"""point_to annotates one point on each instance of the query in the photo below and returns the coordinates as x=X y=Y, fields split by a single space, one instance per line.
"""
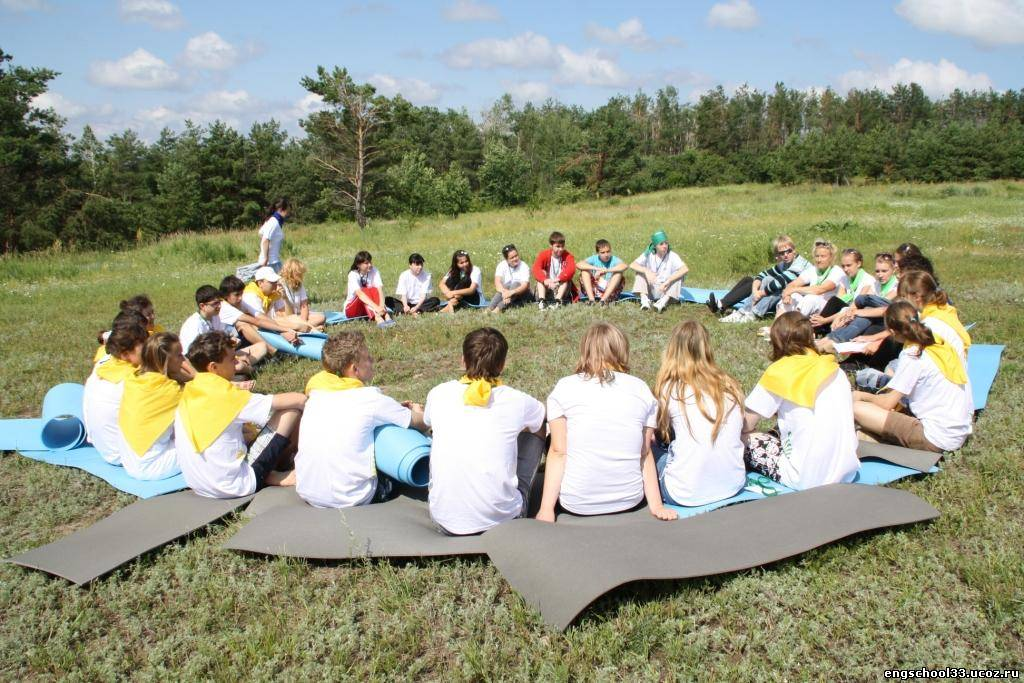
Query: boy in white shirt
x=247 y=326
x=212 y=451
x=412 y=295
x=478 y=477
x=335 y=466
x=207 y=319
x=659 y=274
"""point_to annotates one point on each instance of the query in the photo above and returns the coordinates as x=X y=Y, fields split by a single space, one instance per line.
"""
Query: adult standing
x=272 y=234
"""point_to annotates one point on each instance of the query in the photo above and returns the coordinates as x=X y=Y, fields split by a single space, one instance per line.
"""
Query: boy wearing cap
x=249 y=321
x=554 y=270
x=659 y=274
x=602 y=274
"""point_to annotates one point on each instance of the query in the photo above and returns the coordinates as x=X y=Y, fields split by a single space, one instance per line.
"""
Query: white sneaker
x=645 y=303
x=734 y=317
x=540 y=305
x=661 y=304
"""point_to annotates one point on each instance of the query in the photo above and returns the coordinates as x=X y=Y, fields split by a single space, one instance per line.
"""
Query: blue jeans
x=765 y=306
x=661 y=460
x=859 y=324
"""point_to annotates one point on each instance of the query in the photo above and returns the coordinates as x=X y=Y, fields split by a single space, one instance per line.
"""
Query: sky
x=147 y=64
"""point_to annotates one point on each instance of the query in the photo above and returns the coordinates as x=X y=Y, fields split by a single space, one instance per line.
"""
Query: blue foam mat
x=88 y=459
x=338 y=317
x=982 y=366
x=696 y=295
x=312 y=345
x=872 y=473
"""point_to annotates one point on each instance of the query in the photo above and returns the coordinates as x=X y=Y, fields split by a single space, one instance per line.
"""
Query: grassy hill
x=944 y=594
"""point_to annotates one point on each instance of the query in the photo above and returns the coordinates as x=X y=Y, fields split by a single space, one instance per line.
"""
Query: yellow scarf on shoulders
x=948 y=361
x=208 y=405
x=948 y=315
x=147 y=409
x=267 y=301
x=100 y=353
x=798 y=378
x=478 y=393
x=328 y=381
x=115 y=370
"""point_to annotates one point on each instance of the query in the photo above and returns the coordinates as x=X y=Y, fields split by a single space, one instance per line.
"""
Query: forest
x=365 y=156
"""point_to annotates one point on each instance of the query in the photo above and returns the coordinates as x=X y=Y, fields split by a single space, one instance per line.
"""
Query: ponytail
x=903 y=320
x=157 y=351
x=279 y=204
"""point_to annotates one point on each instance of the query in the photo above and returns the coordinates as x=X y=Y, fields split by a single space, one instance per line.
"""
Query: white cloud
x=471 y=10
x=529 y=91
x=937 y=80
x=139 y=70
x=588 y=68
x=225 y=102
x=60 y=104
x=523 y=51
x=989 y=22
x=308 y=104
x=412 y=89
x=738 y=15
x=211 y=52
x=629 y=33
x=533 y=51
x=160 y=14
x=24 y=5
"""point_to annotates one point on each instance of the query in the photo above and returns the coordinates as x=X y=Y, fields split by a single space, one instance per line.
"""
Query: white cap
x=266 y=273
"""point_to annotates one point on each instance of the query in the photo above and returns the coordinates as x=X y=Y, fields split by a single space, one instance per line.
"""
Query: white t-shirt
x=819 y=445
x=101 y=406
x=415 y=288
x=473 y=457
x=949 y=335
x=867 y=281
x=335 y=465
x=372 y=280
x=196 y=325
x=228 y=314
x=222 y=470
x=661 y=267
x=274 y=233
x=253 y=305
x=605 y=424
x=293 y=298
x=700 y=469
x=159 y=462
x=512 y=278
x=810 y=277
x=943 y=408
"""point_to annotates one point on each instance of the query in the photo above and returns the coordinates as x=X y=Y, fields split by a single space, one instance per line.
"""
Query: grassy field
x=946 y=594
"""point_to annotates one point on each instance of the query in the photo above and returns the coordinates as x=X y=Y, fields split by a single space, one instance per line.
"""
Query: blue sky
x=146 y=64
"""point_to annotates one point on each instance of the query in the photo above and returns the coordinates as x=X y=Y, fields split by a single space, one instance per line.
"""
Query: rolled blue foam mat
x=60 y=428
x=982 y=366
x=403 y=454
x=312 y=345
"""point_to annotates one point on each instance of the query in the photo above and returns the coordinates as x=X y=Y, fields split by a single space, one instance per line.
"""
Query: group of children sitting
x=159 y=403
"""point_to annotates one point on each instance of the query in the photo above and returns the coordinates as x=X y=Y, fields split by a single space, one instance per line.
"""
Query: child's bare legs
x=560 y=292
x=317 y=319
x=612 y=287
x=587 y=280
x=870 y=417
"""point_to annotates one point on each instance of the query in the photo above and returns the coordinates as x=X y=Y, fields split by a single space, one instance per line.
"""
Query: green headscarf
x=656 y=239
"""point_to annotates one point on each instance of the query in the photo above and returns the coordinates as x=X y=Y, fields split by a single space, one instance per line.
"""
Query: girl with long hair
x=365 y=295
x=462 y=284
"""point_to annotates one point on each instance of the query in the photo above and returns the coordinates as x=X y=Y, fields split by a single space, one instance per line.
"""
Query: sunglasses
x=784 y=252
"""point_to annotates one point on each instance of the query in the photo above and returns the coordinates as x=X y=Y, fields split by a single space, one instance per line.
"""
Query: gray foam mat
x=922 y=461
x=561 y=568
x=128 y=533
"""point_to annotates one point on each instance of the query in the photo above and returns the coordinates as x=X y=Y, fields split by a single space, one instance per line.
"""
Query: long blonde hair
x=604 y=350
x=687 y=363
x=292 y=273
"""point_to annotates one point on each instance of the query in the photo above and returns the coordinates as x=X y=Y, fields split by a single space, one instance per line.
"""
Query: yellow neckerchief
x=100 y=353
x=267 y=301
x=208 y=405
x=157 y=327
x=948 y=361
x=478 y=393
x=798 y=378
x=147 y=409
x=328 y=381
x=114 y=370
x=948 y=315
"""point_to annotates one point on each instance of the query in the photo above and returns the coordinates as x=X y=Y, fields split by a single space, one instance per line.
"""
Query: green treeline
x=366 y=156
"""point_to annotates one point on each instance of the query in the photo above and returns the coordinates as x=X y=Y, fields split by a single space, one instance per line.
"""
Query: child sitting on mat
x=207 y=319
x=141 y=304
x=463 y=283
x=478 y=478
x=602 y=422
x=511 y=281
x=335 y=466
x=855 y=282
x=932 y=377
x=601 y=275
x=214 y=456
x=659 y=274
x=146 y=415
x=700 y=415
x=101 y=401
x=809 y=293
x=817 y=443
x=248 y=325
x=412 y=295
x=365 y=296
x=554 y=269
x=867 y=310
x=765 y=288
x=295 y=312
